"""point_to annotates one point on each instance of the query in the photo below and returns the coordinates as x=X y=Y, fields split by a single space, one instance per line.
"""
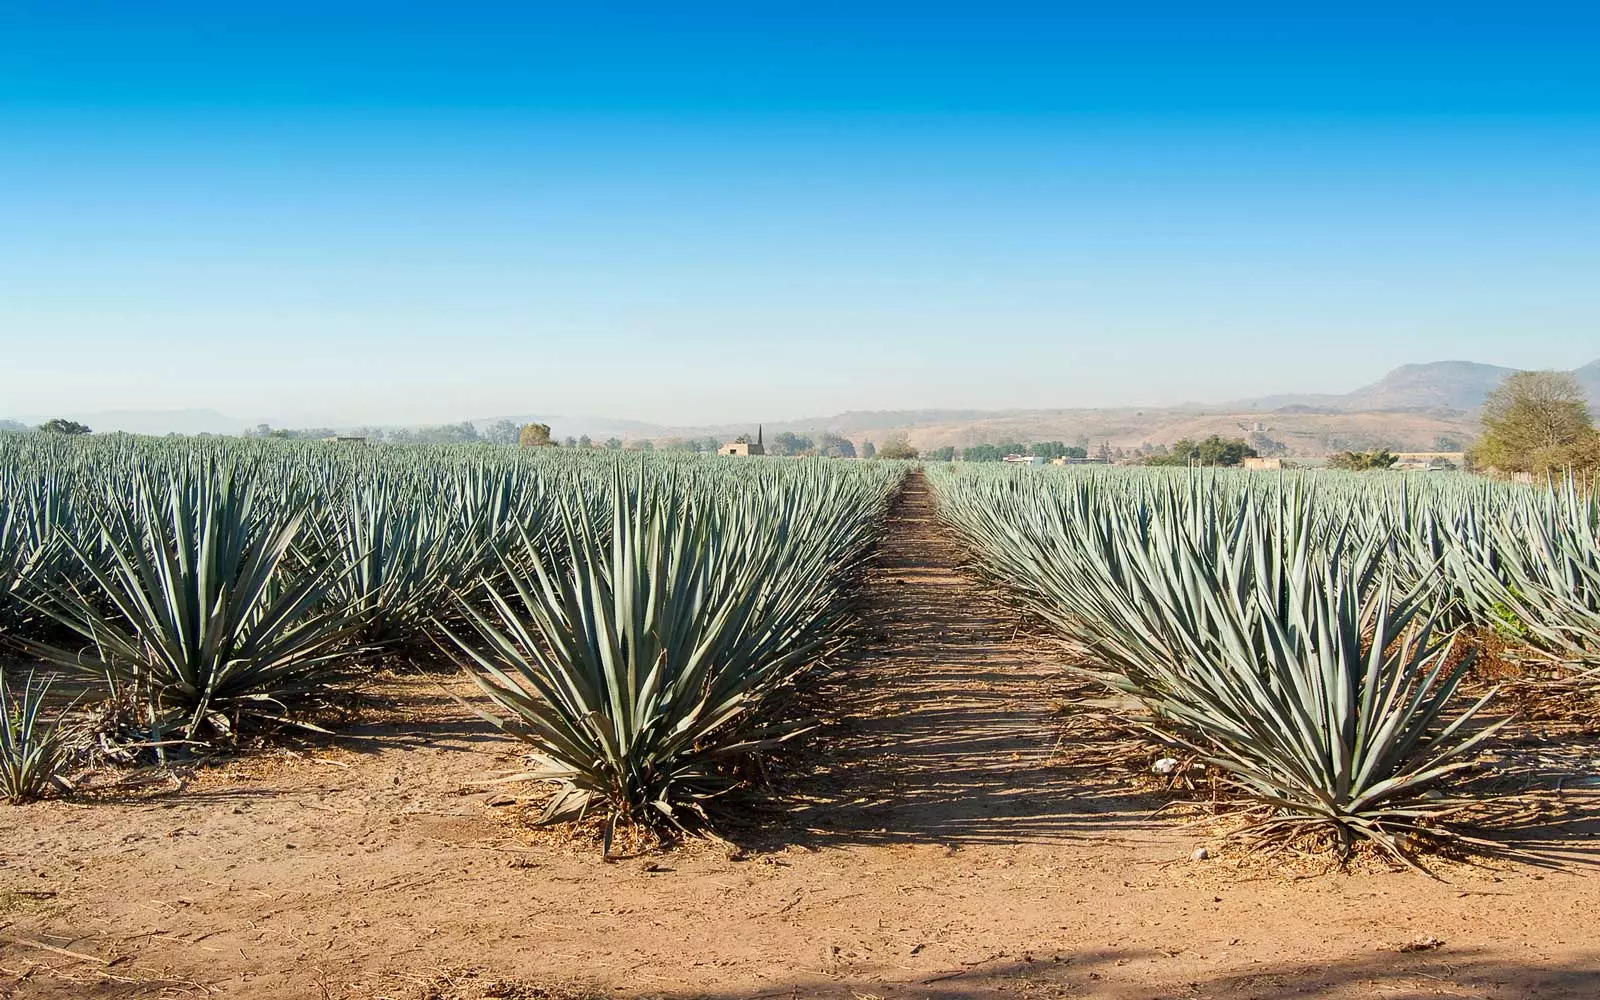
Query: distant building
x=742 y=446
x=1023 y=460
x=1263 y=464
x=344 y=437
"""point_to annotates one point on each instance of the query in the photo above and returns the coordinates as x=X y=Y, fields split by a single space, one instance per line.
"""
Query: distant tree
x=868 y=449
x=62 y=426
x=585 y=442
x=896 y=446
x=1184 y=452
x=613 y=444
x=569 y=442
x=1216 y=450
x=503 y=432
x=1536 y=422
x=997 y=452
x=13 y=426
x=945 y=454
x=462 y=433
x=1363 y=461
x=1213 y=451
x=535 y=436
x=789 y=443
x=1057 y=449
x=835 y=446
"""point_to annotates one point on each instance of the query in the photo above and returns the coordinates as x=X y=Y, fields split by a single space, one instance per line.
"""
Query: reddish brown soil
x=932 y=843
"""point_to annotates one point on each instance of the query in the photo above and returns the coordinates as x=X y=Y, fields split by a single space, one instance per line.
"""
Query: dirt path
x=932 y=844
x=949 y=733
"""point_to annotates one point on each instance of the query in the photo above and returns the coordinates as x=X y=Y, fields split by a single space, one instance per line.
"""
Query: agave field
x=636 y=620
x=294 y=707
x=1304 y=634
x=640 y=622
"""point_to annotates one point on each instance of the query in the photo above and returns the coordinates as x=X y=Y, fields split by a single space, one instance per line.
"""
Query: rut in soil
x=946 y=722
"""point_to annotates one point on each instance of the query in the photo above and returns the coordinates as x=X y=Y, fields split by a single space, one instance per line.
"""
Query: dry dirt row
x=934 y=843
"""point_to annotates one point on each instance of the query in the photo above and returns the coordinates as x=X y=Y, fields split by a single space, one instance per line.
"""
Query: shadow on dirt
x=939 y=729
x=1108 y=974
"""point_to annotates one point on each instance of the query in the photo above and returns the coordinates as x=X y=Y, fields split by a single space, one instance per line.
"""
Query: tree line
x=1535 y=422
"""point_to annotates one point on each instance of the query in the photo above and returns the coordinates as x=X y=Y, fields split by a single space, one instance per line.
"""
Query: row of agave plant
x=633 y=619
x=1302 y=634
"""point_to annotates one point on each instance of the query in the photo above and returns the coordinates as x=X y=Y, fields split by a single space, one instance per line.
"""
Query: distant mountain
x=1442 y=385
x=1416 y=407
x=1589 y=378
x=1437 y=387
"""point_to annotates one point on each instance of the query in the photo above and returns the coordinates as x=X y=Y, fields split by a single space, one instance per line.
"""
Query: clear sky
x=392 y=212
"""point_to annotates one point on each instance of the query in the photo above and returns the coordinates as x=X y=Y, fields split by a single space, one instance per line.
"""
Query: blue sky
x=362 y=212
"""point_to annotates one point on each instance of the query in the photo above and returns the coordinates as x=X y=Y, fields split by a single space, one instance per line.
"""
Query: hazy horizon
x=579 y=422
x=348 y=214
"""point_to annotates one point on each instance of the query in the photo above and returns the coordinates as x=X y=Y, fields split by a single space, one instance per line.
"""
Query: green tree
x=502 y=432
x=1213 y=451
x=62 y=426
x=1363 y=461
x=997 y=452
x=535 y=436
x=896 y=446
x=789 y=443
x=835 y=446
x=869 y=450
x=1057 y=449
x=945 y=454
x=613 y=444
x=1536 y=422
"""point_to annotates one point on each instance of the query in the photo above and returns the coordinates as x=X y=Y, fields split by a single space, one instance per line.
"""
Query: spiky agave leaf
x=1337 y=714
x=396 y=554
x=34 y=751
x=34 y=515
x=638 y=667
x=1258 y=630
x=190 y=606
x=1538 y=564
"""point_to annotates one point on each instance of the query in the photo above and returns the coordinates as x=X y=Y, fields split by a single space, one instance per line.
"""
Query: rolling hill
x=1416 y=407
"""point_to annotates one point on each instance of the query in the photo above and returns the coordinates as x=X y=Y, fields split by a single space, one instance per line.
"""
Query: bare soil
x=938 y=838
